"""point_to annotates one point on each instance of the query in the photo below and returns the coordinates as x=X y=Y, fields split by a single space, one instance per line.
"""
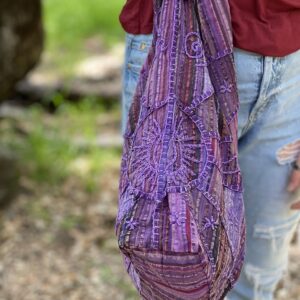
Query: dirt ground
x=76 y=257
x=61 y=247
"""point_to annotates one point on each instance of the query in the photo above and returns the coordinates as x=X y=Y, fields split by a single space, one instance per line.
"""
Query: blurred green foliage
x=68 y=22
x=76 y=29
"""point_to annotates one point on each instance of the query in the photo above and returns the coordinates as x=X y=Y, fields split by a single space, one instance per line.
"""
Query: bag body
x=180 y=223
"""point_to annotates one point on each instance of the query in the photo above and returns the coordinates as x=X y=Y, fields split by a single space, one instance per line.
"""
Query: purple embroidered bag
x=180 y=223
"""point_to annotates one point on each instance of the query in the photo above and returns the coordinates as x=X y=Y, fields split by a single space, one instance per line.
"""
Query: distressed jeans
x=269 y=141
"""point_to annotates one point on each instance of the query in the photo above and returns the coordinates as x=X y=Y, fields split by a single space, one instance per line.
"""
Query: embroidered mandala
x=186 y=156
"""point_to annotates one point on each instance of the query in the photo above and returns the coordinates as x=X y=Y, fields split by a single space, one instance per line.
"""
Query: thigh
x=271 y=141
x=271 y=127
x=137 y=47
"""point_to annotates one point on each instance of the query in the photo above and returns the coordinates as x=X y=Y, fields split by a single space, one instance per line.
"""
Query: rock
x=105 y=140
x=108 y=89
x=102 y=67
x=21 y=41
x=96 y=76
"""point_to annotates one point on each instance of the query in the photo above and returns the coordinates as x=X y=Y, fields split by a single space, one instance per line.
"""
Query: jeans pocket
x=139 y=49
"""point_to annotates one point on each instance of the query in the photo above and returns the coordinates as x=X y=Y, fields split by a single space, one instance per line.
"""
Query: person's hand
x=294 y=184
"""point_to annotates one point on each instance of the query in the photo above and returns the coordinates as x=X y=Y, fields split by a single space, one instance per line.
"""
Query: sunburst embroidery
x=184 y=150
x=145 y=158
x=184 y=160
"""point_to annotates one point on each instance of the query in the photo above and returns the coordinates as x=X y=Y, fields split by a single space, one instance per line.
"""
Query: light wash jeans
x=269 y=129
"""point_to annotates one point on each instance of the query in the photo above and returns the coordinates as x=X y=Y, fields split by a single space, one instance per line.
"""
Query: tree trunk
x=21 y=41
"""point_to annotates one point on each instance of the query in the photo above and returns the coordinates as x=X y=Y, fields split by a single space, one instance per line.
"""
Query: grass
x=70 y=222
x=56 y=146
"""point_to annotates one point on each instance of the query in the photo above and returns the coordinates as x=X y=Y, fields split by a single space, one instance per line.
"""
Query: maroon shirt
x=268 y=27
x=137 y=16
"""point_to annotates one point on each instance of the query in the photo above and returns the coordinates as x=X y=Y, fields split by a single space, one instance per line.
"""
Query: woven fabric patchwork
x=180 y=223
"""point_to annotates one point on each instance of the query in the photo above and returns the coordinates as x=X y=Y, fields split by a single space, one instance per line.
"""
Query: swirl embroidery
x=194 y=47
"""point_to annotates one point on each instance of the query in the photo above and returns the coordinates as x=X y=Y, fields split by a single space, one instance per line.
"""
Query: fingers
x=294 y=182
x=295 y=205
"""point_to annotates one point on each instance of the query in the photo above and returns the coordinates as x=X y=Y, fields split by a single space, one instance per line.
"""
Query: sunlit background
x=60 y=155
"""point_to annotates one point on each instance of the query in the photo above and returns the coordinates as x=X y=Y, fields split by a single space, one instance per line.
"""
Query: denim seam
x=262 y=101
